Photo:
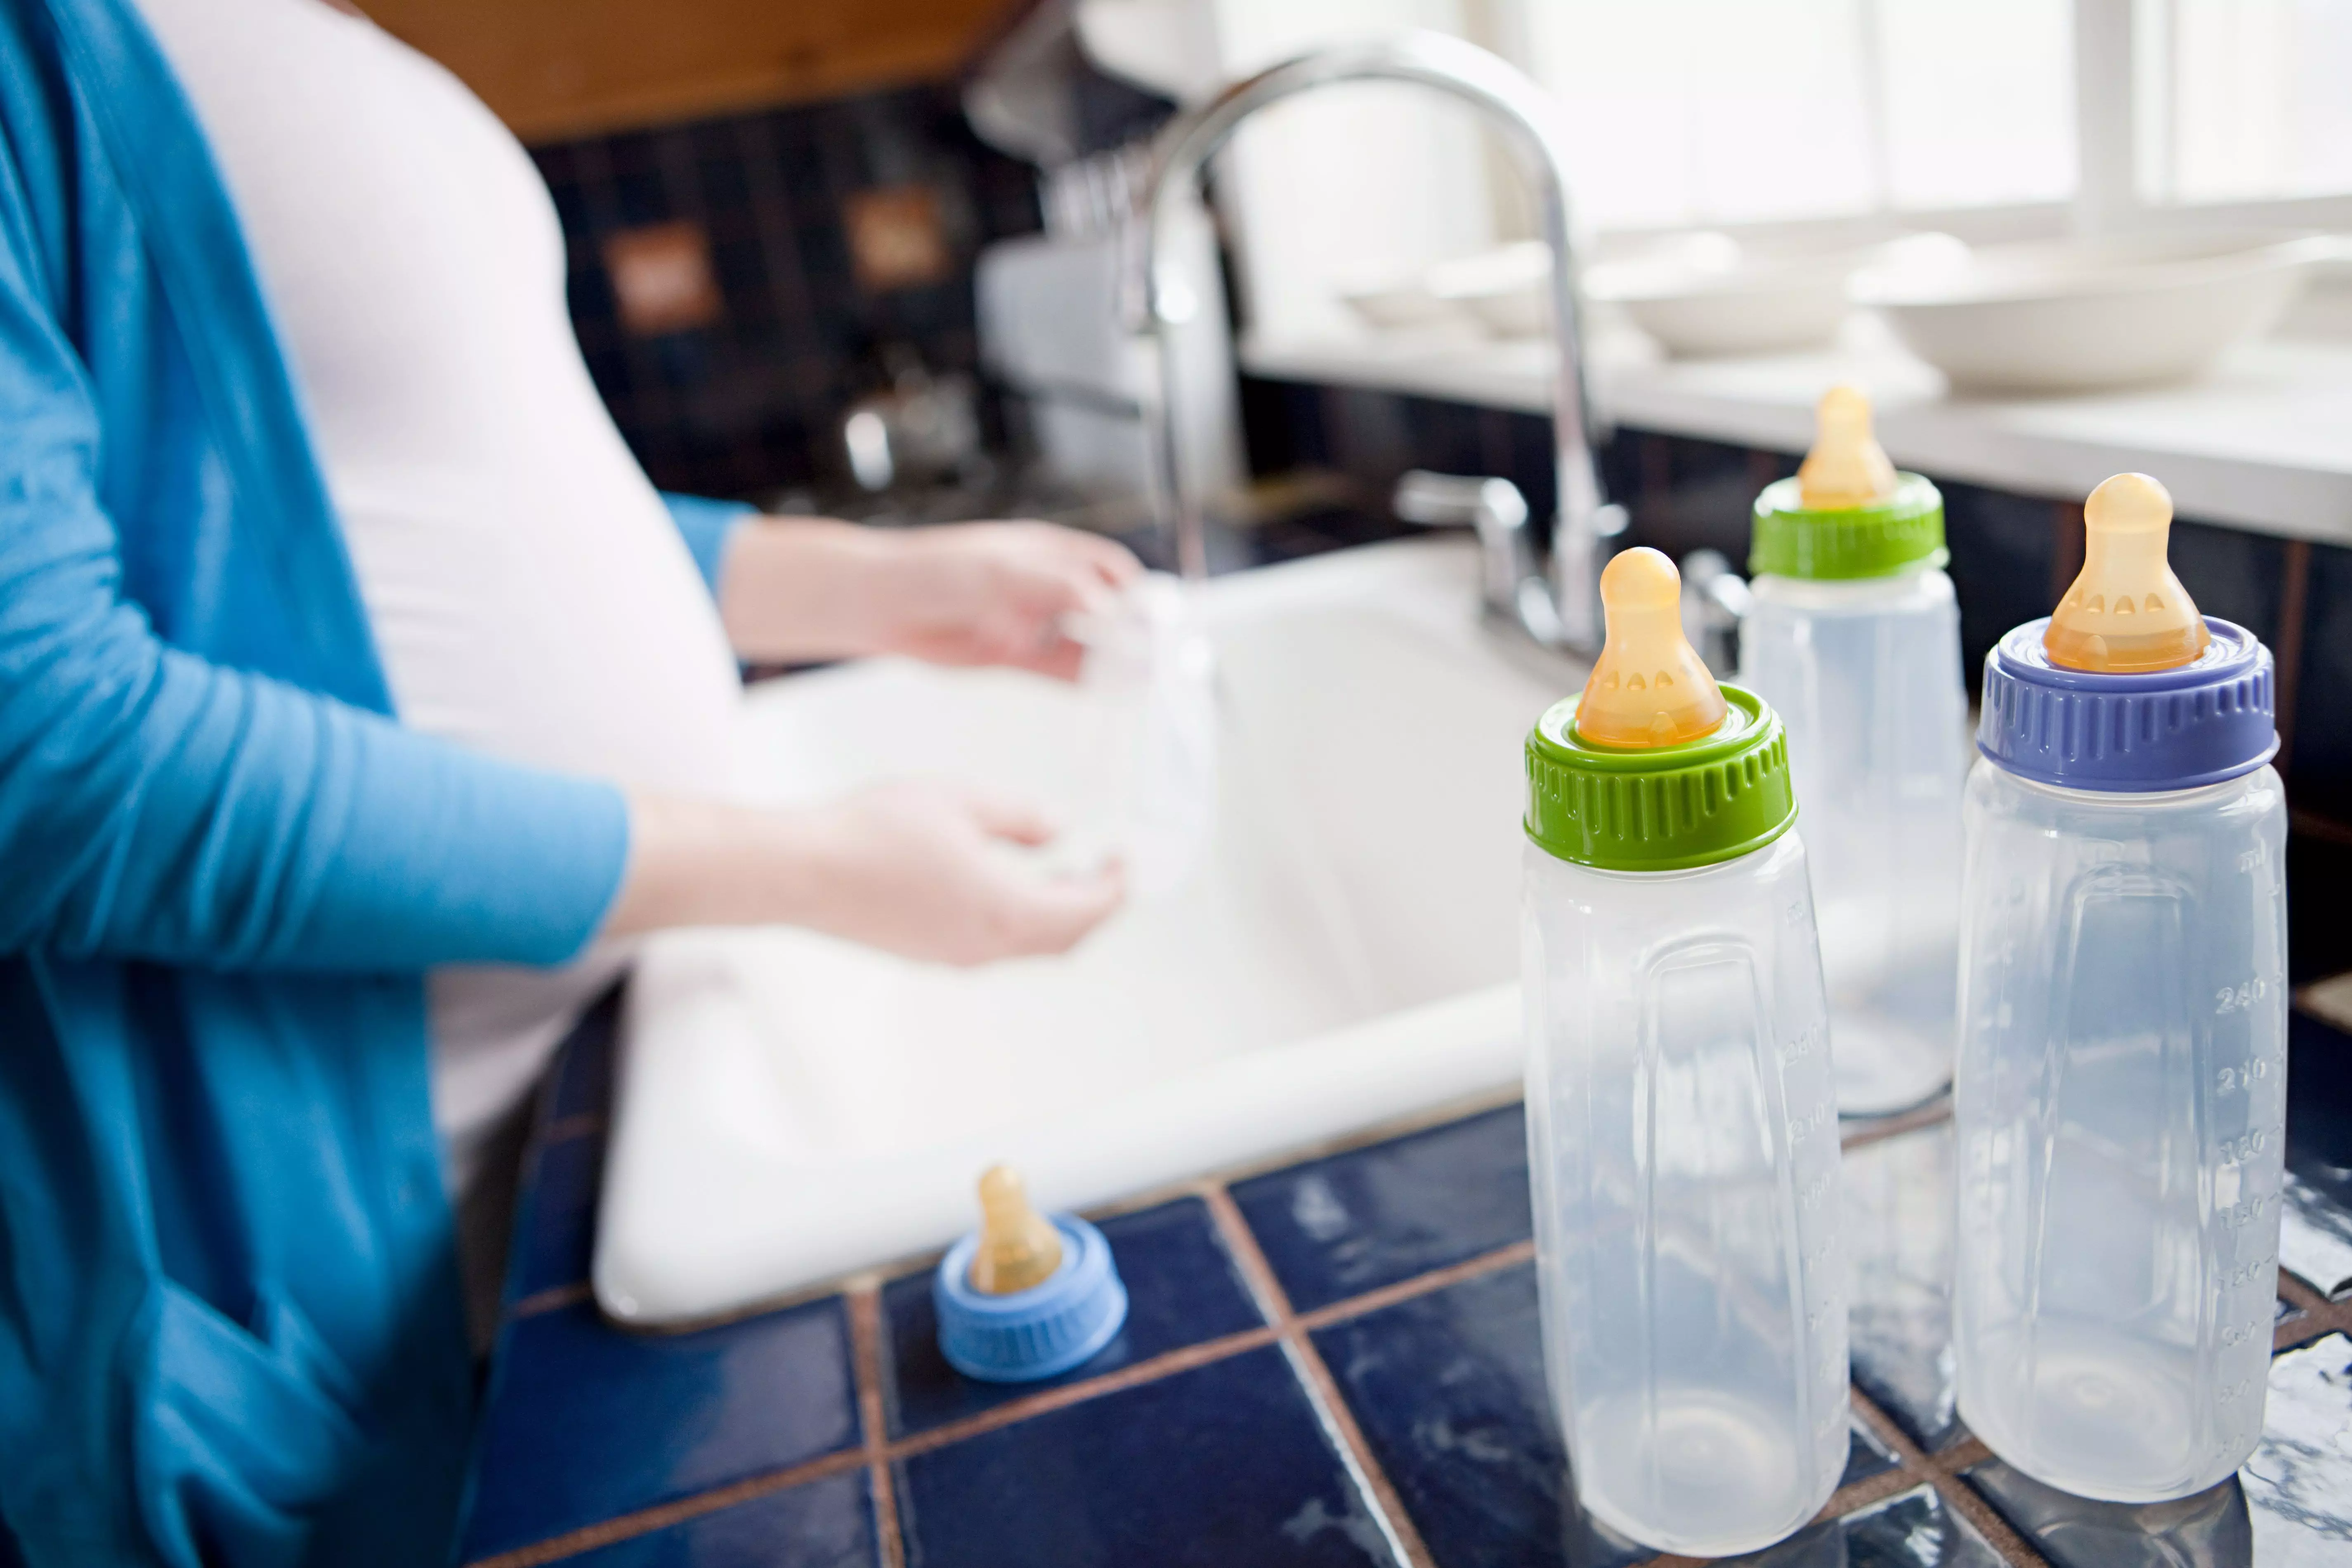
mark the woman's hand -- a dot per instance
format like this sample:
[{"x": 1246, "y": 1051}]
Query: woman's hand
[
  {"x": 917, "y": 869},
  {"x": 995, "y": 593},
  {"x": 966, "y": 594}
]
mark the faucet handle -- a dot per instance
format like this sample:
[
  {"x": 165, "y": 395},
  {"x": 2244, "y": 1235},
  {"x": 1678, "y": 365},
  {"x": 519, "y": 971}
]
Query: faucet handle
[
  {"x": 1716, "y": 601},
  {"x": 1499, "y": 513}
]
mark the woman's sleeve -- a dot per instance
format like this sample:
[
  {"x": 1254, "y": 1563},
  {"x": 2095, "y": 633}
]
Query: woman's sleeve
[
  {"x": 706, "y": 525},
  {"x": 155, "y": 805}
]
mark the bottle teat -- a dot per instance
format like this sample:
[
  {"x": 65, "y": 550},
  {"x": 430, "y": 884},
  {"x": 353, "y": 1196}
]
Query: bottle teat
[
  {"x": 2125, "y": 612},
  {"x": 1019, "y": 1248},
  {"x": 1847, "y": 467},
  {"x": 1648, "y": 688}
]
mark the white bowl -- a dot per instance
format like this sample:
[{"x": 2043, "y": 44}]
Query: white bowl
[
  {"x": 1508, "y": 290},
  {"x": 2079, "y": 314},
  {"x": 1753, "y": 310},
  {"x": 1703, "y": 296},
  {"x": 1402, "y": 305}
]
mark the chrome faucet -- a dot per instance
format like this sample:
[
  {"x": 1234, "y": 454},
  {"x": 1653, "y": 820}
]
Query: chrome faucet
[{"x": 1586, "y": 523}]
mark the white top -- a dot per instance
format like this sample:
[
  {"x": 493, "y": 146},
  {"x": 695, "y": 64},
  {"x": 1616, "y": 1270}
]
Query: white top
[{"x": 529, "y": 593}]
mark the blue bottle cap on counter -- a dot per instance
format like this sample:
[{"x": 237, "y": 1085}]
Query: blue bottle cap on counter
[
  {"x": 2203, "y": 722},
  {"x": 1037, "y": 1333}
]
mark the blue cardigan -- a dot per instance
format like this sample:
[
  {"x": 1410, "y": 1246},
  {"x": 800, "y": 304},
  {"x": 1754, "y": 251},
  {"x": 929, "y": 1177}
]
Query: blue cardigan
[{"x": 229, "y": 1319}]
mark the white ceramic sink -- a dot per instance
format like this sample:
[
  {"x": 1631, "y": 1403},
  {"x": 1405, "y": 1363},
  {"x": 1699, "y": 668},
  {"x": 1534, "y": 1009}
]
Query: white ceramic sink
[{"x": 792, "y": 1108}]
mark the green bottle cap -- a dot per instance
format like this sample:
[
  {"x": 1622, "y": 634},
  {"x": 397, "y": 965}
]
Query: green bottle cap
[
  {"x": 1661, "y": 808},
  {"x": 1902, "y": 533}
]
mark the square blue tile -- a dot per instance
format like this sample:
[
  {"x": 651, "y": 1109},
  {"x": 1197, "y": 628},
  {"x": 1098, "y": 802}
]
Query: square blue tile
[
  {"x": 1449, "y": 1391},
  {"x": 828, "y": 1523},
  {"x": 1182, "y": 1288},
  {"x": 1349, "y": 1222},
  {"x": 1222, "y": 1467},
  {"x": 585, "y": 1422},
  {"x": 2210, "y": 1529},
  {"x": 555, "y": 1215}
]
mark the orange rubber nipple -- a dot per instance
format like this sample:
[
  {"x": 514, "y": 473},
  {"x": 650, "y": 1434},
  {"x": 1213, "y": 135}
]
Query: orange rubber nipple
[
  {"x": 1019, "y": 1248},
  {"x": 2127, "y": 612},
  {"x": 1648, "y": 687},
  {"x": 1847, "y": 467}
]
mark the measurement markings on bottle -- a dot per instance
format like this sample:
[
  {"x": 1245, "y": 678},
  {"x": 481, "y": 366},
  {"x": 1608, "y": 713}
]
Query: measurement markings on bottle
[
  {"x": 2237, "y": 998},
  {"x": 2238, "y": 1150},
  {"x": 2230, "y": 1080},
  {"x": 2245, "y": 1211},
  {"x": 2244, "y": 1274},
  {"x": 1804, "y": 1126},
  {"x": 1810, "y": 1197},
  {"x": 2236, "y": 1334}
]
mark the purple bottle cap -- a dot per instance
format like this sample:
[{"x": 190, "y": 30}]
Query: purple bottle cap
[{"x": 2208, "y": 721}]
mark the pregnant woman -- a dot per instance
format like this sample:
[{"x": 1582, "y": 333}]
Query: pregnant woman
[{"x": 358, "y": 698}]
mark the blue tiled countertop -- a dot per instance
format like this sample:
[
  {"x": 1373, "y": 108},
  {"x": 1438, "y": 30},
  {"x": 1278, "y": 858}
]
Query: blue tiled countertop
[{"x": 1335, "y": 1362}]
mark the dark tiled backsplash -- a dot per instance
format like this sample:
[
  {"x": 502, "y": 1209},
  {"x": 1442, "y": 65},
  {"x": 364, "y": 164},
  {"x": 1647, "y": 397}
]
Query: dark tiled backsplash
[{"x": 746, "y": 401}]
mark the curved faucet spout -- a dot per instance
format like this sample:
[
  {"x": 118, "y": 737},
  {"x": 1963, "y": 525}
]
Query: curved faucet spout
[{"x": 1586, "y": 522}]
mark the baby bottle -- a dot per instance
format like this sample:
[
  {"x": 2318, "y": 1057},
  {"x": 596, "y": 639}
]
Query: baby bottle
[
  {"x": 1682, "y": 1115},
  {"x": 2121, "y": 1093},
  {"x": 1855, "y": 639}
]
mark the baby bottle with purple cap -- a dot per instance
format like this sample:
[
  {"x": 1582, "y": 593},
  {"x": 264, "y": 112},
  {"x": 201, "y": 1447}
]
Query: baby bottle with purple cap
[{"x": 2120, "y": 1097}]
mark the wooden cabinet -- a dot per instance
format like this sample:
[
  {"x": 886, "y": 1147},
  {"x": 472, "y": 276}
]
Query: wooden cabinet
[{"x": 553, "y": 68}]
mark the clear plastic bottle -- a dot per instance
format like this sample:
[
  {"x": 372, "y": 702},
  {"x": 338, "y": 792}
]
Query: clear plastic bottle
[
  {"x": 1681, "y": 1118},
  {"x": 1854, "y": 638},
  {"x": 2121, "y": 1096}
]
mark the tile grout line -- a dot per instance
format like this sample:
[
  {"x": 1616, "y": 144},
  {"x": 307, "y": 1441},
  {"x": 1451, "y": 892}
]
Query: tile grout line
[
  {"x": 1878, "y": 1130},
  {"x": 1321, "y": 1389},
  {"x": 554, "y": 1299},
  {"x": 865, "y": 1370},
  {"x": 627, "y": 1526},
  {"x": 2320, "y": 1315},
  {"x": 1385, "y": 1296},
  {"x": 1013, "y": 1412},
  {"x": 564, "y": 1129},
  {"x": 1942, "y": 1472}
]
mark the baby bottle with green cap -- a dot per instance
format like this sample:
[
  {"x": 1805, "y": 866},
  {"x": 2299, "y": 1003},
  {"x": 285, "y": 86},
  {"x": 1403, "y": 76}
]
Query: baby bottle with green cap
[
  {"x": 1854, "y": 638},
  {"x": 1682, "y": 1117}
]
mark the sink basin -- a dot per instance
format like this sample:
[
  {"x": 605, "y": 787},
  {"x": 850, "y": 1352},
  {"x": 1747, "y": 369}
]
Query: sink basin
[{"x": 791, "y": 1108}]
